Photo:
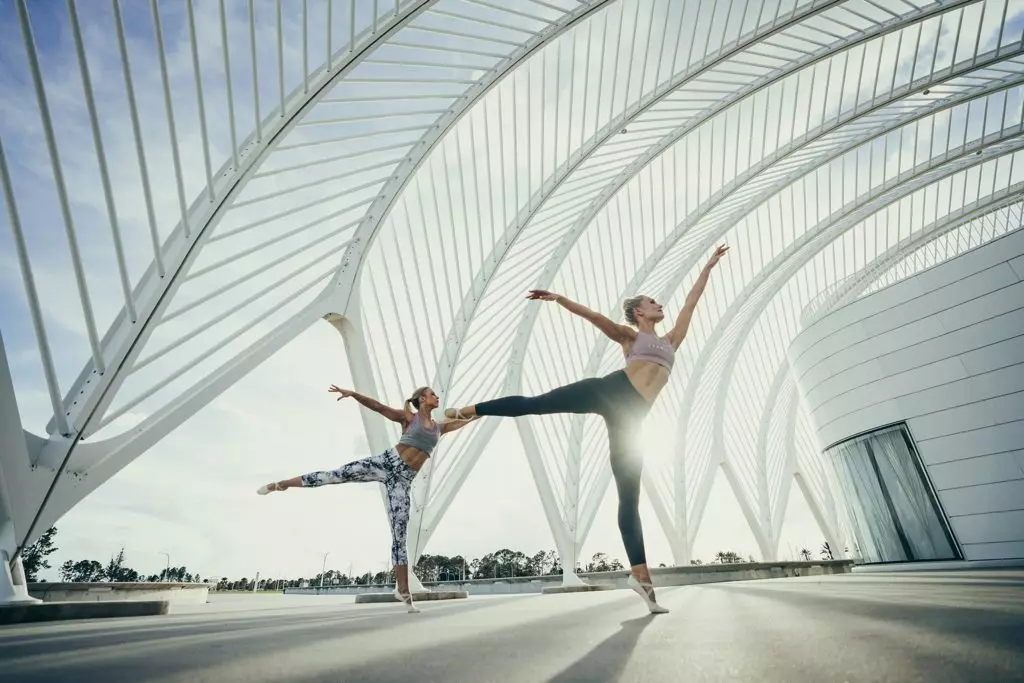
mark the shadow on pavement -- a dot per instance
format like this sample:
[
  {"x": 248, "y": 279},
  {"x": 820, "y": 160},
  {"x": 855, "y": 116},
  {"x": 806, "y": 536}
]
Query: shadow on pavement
[{"x": 607, "y": 660}]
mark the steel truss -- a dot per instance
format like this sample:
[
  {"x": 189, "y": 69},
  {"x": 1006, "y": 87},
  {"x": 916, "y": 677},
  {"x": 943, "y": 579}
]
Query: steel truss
[{"x": 520, "y": 143}]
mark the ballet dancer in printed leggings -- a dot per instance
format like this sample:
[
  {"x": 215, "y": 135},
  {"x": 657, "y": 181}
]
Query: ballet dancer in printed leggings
[
  {"x": 395, "y": 468},
  {"x": 622, "y": 398}
]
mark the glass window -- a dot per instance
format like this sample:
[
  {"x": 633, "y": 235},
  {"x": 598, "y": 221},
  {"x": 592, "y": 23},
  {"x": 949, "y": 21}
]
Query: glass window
[{"x": 894, "y": 514}]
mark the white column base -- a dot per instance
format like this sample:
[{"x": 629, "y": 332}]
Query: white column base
[
  {"x": 415, "y": 586},
  {"x": 13, "y": 589},
  {"x": 570, "y": 578}
]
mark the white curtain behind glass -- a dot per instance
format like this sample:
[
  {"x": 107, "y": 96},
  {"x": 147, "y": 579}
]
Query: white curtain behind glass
[
  {"x": 869, "y": 514},
  {"x": 885, "y": 495},
  {"x": 911, "y": 500}
]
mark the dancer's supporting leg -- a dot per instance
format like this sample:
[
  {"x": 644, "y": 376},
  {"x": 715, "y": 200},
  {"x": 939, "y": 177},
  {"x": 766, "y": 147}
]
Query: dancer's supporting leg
[
  {"x": 580, "y": 397},
  {"x": 627, "y": 467},
  {"x": 397, "y": 487}
]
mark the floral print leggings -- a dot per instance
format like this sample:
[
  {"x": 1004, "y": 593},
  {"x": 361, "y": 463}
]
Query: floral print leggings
[{"x": 389, "y": 469}]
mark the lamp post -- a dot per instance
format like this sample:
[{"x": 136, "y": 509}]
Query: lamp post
[
  {"x": 323, "y": 568},
  {"x": 167, "y": 572}
]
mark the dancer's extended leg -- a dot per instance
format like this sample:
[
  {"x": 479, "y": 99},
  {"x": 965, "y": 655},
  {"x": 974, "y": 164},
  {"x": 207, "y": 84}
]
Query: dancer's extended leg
[
  {"x": 627, "y": 467},
  {"x": 585, "y": 396},
  {"x": 374, "y": 468}
]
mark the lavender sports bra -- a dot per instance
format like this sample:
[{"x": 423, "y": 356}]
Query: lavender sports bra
[{"x": 653, "y": 349}]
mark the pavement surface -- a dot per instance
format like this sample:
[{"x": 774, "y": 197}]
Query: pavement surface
[{"x": 905, "y": 627}]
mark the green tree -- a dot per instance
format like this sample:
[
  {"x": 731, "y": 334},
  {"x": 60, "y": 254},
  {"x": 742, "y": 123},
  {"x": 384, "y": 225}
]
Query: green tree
[
  {"x": 806, "y": 554},
  {"x": 33, "y": 557},
  {"x": 83, "y": 571},
  {"x": 600, "y": 563},
  {"x": 552, "y": 563},
  {"x": 727, "y": 557},
  {"x": 116, "y": 569},
  {"x": 538, "y": 562},
  {"x": 177, "y": 575},
  {"x": 427, "y": 567}
]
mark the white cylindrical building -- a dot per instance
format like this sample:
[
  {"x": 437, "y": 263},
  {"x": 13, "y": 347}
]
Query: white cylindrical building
[{"x": 916, "y": 395}]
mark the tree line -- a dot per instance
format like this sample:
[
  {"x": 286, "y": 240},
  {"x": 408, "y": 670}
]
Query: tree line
[
  {"x": 34, "y": 559},
  {"x": 503, "y": 563}
]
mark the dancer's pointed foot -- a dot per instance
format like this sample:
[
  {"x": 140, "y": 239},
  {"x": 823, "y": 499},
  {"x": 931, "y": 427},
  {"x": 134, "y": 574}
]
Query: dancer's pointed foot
[
  {"x": 407, "y": 599},
  {"x": 267, "y": 488},
  {"x": 455, "y": 414},
  {"x": 646, "y": 591}
]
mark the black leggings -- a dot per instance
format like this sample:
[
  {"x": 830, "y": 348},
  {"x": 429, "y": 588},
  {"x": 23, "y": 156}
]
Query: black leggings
[{"x": 614, "y": 398}]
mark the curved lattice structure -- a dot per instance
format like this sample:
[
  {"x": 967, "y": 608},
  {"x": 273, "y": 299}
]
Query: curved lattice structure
[{"x": 439, "y": 157}]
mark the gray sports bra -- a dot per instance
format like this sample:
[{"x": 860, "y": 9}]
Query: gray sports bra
[{"x": 419, "y": 437}]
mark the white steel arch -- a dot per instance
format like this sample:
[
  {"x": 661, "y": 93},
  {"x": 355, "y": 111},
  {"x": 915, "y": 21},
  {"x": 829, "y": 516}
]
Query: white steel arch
[
  {"x": 600, "y": 346},
  {"x": 472, "y": 149},
  {"x": 718, "y": 340}
]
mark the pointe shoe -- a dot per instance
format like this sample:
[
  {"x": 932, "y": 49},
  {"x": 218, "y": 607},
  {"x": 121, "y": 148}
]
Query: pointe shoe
[
  {"x": 407, "y": 599},
  {"x": 454, "y": 414},
  {"x": 267, "y": 488},
  {"x": 641, "y": 590}
]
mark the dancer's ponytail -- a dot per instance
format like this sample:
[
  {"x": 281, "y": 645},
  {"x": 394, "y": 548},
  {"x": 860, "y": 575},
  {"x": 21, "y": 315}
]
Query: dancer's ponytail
[{"x": 412, "y": 404}]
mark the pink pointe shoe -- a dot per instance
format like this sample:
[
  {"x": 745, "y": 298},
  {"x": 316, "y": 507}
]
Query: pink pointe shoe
[
  {"x": 407, "y": 599},
  {"x": 644, "y": 590}
]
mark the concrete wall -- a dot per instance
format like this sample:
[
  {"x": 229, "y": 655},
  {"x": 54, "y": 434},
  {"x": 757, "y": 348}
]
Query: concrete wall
[
  {"x": 944, "y": 352},
  {"x": 663, "y": 576},
  {"x": 191, "y": 593}
]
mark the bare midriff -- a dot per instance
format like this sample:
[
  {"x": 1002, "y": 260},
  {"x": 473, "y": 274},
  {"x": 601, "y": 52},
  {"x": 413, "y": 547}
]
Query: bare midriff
[
  {"x": 647, "y": 378},
  {"x": 413, "y": 457}
]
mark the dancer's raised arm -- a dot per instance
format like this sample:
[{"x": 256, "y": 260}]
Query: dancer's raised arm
[
  {"x": 393, "y": 414},
  {"x": 678, "y": 332},
  {"x": 614, "y": 331}
]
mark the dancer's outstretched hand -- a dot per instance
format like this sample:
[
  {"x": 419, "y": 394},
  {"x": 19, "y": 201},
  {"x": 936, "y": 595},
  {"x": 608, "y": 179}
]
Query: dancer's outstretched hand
[
  {"x": 717, "y": 256},
  {"x": 343, "y": 393},
  {"x": 541, "y": 295}
]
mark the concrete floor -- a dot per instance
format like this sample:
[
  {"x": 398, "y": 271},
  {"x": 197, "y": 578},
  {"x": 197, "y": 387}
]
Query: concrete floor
[{"x": 951, "y": 626}]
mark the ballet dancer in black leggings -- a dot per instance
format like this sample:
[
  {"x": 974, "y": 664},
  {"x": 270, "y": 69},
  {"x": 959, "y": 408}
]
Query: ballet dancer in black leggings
[{"x": 622, "y": 398}]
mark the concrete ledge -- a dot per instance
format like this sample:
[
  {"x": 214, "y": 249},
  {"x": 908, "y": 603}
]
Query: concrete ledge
[
  {"x": 417, "y": 597},
  {"x": 551, "y": 590},
  {"x": 663, "y": 576},
  {"x": 58, "y": 611},
  {"x": 180, "y": 593},
  {"x": 938, "y": 566}
]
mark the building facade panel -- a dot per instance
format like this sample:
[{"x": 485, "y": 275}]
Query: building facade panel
[{"x": 941, "y": 353}]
